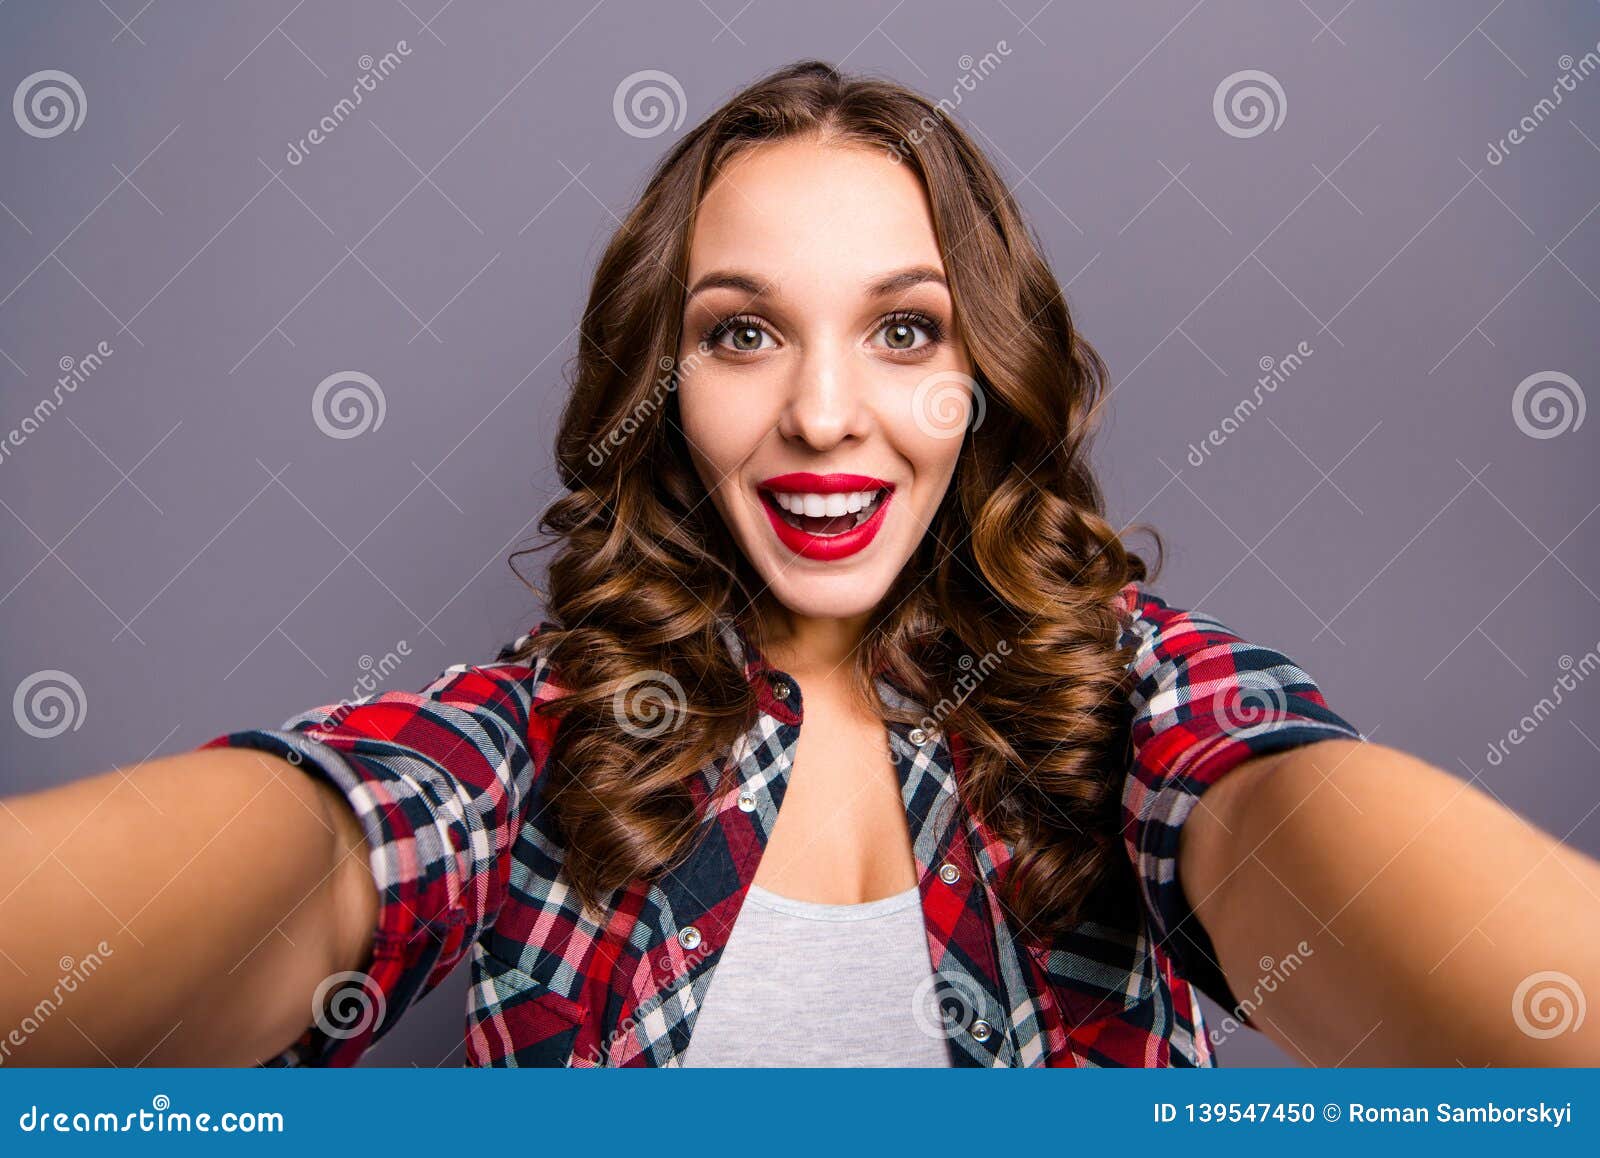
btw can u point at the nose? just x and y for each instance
(826, 403)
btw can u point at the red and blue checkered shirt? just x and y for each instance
(447, 785)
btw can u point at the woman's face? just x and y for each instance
(822, 386)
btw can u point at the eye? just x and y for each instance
(746, 333)
(900, 329)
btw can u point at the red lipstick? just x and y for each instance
(824, 548)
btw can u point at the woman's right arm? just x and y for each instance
(182, 911)
(279, 895)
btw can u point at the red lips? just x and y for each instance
(823, 484)
(824, 548)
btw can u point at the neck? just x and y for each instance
(806, 645)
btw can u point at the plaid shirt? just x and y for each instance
(447, 785)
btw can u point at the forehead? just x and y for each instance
(806, 214)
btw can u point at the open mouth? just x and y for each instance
(825, 515)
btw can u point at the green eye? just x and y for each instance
(900, 331)
(746, 335)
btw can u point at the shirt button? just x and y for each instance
(981, 1030)
(781, 689)
(688, 936)
(918, 737)
(949, 873)
(747, 802)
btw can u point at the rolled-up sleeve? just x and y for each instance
(1204, 701)
(440, 780)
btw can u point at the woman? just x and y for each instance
(826, 456)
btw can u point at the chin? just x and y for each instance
(840, 596)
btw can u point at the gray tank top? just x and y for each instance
(806, 984)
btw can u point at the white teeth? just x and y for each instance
(830, 505)
(858, 504)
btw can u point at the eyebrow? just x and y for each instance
(881, 287)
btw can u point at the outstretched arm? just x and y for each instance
(1439, 927)
(179, 912)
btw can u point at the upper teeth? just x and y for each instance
(817, 505)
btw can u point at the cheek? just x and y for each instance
(720, 432)
(935, 461)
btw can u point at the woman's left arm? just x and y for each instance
(1429, 925)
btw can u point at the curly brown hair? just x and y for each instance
(1019, 558)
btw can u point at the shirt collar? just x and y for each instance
(759, 671)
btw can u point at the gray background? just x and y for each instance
(183, 539)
